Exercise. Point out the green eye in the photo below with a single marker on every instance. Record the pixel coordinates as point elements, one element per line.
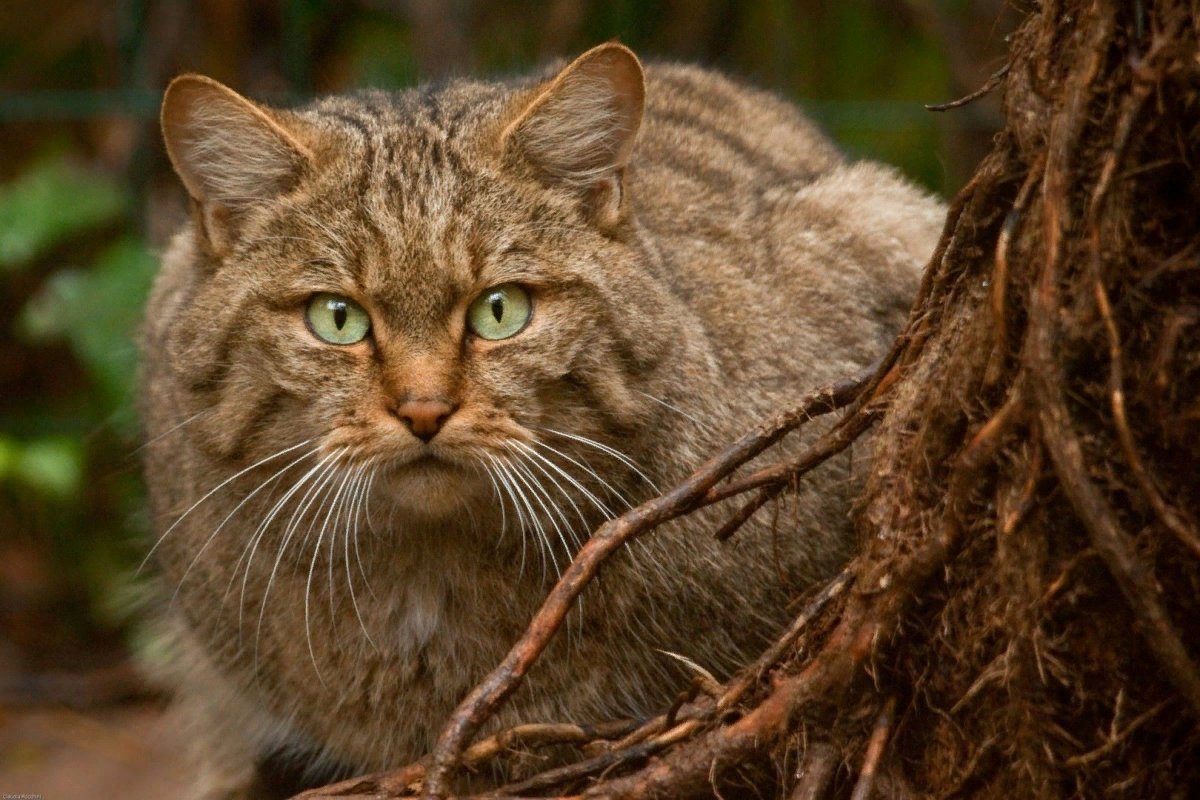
<point>337,320</point>
<point>500,312</point>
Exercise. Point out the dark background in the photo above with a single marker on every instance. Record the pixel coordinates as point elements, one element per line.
<point>87,197</point>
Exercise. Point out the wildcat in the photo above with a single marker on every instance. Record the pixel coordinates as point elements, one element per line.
<point>412,347</point>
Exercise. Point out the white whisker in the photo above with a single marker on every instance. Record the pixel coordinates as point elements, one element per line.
<point>617,454</point>
<point>365,504</point>
<point>570,552</point>
<point>505,482</point>
<point>312,568</point>
<point>499,498</point>
<point>583,520</point>
<point>252,545</point>
<point>600,505</point>
<point>169,431</point>
<point>531,521</point>
<point>703,425</point>
<point>523,474</point>
<point>213,491</point>
<point>229,516</point>
<point>309,496</point>
<point>590,471</point>
<point>352,525</point>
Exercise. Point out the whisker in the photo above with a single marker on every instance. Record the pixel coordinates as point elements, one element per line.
<point>360,480</point>
<point>309,497</point>
<point>599,504</point>
<point>252,545</point>
<point>365,504</point>
<point>343,506</point>
<point>213,491</point>
<point>590,471</point>
<point>312,568</point>
<point>533,521</point>
<point>617,454</point>
<point>168,432</point>
<point>703,425</point>
<point>629,546</point>
<point>499,498</point>
<point>568,550</point>
<point>502,477</point>
<point>229,516</point>
<point>538,492</point>
<point>582,519</point>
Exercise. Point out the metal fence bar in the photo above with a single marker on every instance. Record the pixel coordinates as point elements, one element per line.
<point>143,104</point>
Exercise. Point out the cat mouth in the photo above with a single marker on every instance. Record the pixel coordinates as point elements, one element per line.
<point>423,461</point>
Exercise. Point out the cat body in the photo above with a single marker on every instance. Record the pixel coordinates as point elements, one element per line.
<point>352,534</point>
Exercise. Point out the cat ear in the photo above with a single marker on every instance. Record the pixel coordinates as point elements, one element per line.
<point>578,131</point>
<point>229,152</point>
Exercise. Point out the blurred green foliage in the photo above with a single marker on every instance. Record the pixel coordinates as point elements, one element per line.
<point>86,194</point>
<point>61,225</point>
<point>49,202</point>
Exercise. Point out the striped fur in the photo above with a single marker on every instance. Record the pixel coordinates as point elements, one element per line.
<point>689,275</point>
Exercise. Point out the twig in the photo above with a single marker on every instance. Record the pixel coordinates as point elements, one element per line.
<point>778,476</point>
<point>1000,270</point>
<point>773,654</point>
<point>992,82</point>
<point>537,734</point>
<point>544,734</point>
<point>1116,739</point>
<point>1171,520</point>
<point>745,512</point>
<point>875,748</point>
<point>815,772</point>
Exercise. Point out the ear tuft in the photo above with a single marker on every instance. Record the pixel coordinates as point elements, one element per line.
<point>581,127</point>
<point>228,151</point>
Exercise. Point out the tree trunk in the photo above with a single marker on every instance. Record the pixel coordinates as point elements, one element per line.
<point>1024,617</point>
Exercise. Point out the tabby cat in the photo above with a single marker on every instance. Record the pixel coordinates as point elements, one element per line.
<point>413,347</point>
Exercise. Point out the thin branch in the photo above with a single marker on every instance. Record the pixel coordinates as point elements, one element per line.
<point>816,771</point>
<point>995,80</point>
<point>875,747</point>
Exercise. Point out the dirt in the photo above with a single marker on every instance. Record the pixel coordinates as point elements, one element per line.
<point>125,752</point>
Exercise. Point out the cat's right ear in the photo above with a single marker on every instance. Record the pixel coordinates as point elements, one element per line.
<point>229,152</point>
<point>578,130</point>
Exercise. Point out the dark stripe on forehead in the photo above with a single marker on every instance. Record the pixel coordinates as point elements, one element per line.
<point>431,105</point>
<point>366,164</point>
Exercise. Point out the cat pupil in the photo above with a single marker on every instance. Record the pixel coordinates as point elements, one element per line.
<point>497,307</point>
<point>339,317</point>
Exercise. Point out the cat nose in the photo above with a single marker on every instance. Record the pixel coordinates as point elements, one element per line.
<point>424,417</point>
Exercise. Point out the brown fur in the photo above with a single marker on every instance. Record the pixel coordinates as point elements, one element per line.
<point>693,267</point>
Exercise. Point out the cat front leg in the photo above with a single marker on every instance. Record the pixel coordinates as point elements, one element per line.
<point>227,733</point>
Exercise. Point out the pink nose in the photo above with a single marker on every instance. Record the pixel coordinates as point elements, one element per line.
<point>424,417</point>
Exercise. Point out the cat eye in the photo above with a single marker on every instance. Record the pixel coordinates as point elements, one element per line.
<point>500,312</point>
<point>337,320</point>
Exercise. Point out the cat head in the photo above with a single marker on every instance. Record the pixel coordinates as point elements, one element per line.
<point>436,283</point>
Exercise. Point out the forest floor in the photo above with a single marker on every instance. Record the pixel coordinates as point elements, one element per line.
<point>126,751</point>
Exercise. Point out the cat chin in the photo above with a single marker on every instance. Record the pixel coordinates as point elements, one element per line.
<point>431,488</point>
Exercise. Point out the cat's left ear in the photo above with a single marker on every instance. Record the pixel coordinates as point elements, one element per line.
<point>578,131</point>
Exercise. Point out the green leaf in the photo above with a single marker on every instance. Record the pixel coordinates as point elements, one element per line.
<point>97,311</point>
<point>52,200</point>
<point>52,465</point>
